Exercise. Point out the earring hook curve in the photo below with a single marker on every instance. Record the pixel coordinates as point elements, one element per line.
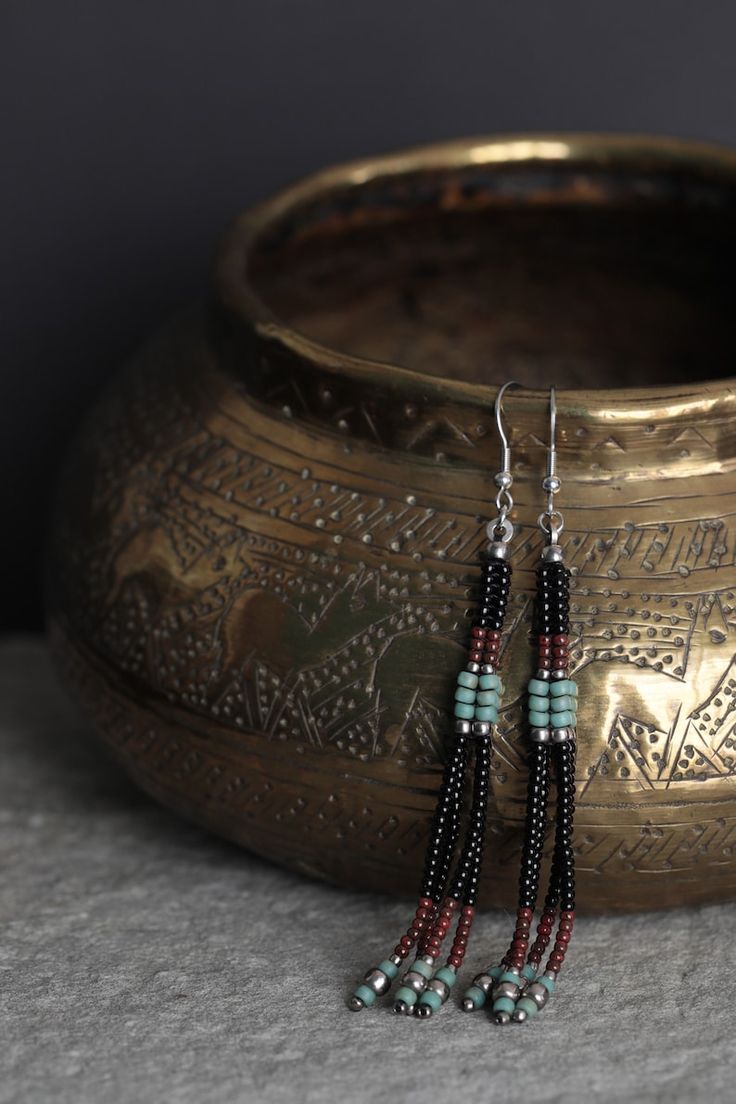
<point>501,530</point>
<point>551,521</point>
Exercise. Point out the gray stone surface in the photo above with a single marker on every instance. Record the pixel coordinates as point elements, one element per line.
<point>143,961</point>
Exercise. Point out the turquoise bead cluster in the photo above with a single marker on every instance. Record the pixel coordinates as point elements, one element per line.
<point>477,697</point>
<point>498,983</point>
<point>477,993</point>
<point>553,704</point>
<point>368,993</point>
<point>528,1004</point>
<point>409,994</point>
<point>438,989</point>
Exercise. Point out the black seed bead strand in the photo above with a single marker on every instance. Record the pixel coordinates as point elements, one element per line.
<point>536,818</point>
<point>483,770</point>
<point>493,595</point>
<point>467,876</point>
<point>531,855</point>
<point>565,767</point>
<point>443,831</point>
<point>566,817</point>
<point>465,882</point>
<point>453,828</point>
<point>552,608</point>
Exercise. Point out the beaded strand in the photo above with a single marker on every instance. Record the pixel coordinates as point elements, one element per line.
<point>553,720</point>
<point>477,702</point>
<point>443,832</point>
<point>517,988</point>
<point>464,888</point>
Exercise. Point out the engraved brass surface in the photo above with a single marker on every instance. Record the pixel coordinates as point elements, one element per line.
<point>266,538</point>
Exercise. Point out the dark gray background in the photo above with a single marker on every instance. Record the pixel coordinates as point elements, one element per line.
<point>132,132</point>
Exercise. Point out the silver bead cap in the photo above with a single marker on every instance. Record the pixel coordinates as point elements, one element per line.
<point>553,554</point>
<point>498,550</point>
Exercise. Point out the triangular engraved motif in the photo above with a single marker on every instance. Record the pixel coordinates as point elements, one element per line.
<point>529,439</point>
<point>632,756</point>
<point>690,433</point>
<point>610,443</point>
<point>694,756</point>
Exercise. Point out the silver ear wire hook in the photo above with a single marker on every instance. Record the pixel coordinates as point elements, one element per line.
<point>551,521</point>
<point>505,450</point>
<point>500,531</point>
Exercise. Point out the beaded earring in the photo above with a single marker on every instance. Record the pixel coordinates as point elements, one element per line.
<point>446,899</point>
<point>519,988</point>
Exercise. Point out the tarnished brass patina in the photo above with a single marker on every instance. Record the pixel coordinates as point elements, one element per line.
<point>266,536</point>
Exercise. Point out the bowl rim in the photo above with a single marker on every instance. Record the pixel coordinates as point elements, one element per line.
<point>239,297</point>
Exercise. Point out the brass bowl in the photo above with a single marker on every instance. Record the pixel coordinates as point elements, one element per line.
<point>265,536</point>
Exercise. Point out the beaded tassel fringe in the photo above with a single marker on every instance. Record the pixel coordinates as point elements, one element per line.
<point>447,899</point>
<point>519,987</point>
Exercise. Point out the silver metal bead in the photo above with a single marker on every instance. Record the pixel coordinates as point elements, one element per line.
<point>481,728</point>
<point>377,981</point>
<point>551,974</point>
<point>551,483</point>
<point>428,959</point>
<point>503,480</point>
<point>498,550</point>
<point>553,554</point>
<point>463,728</point>
<point>562,735</point>
<point>467,1005</point>
<point>519,1015</point>
<point>543,674</point>
<point>538,994</point>
<point>441,988</point>
<point>488,669</point>
<point>396,959</point>
<point>484,982</point>
<point>401,1008</point>
<point>424,1011</point>
<point>540,735</point>
<point>502,1017</point>
<point>474,668</point>
<point>415,981</point>
<point>557,674</point>
<point>507,989</point>
<point>355,1004</point>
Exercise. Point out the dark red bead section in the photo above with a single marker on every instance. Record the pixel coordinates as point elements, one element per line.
<point>440,928</point>
<point>557,957</point>
<point>560,651</point>
<point>484,646</point>
<point>544,934</point>
<point>553,652</point>
<point>420,926</point>
<point>462,935</point>
<point>516,954</point>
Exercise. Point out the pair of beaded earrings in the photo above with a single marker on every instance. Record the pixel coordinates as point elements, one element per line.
<point>519,986</point>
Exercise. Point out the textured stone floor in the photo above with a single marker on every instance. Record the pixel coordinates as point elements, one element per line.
<point>144,961</point>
